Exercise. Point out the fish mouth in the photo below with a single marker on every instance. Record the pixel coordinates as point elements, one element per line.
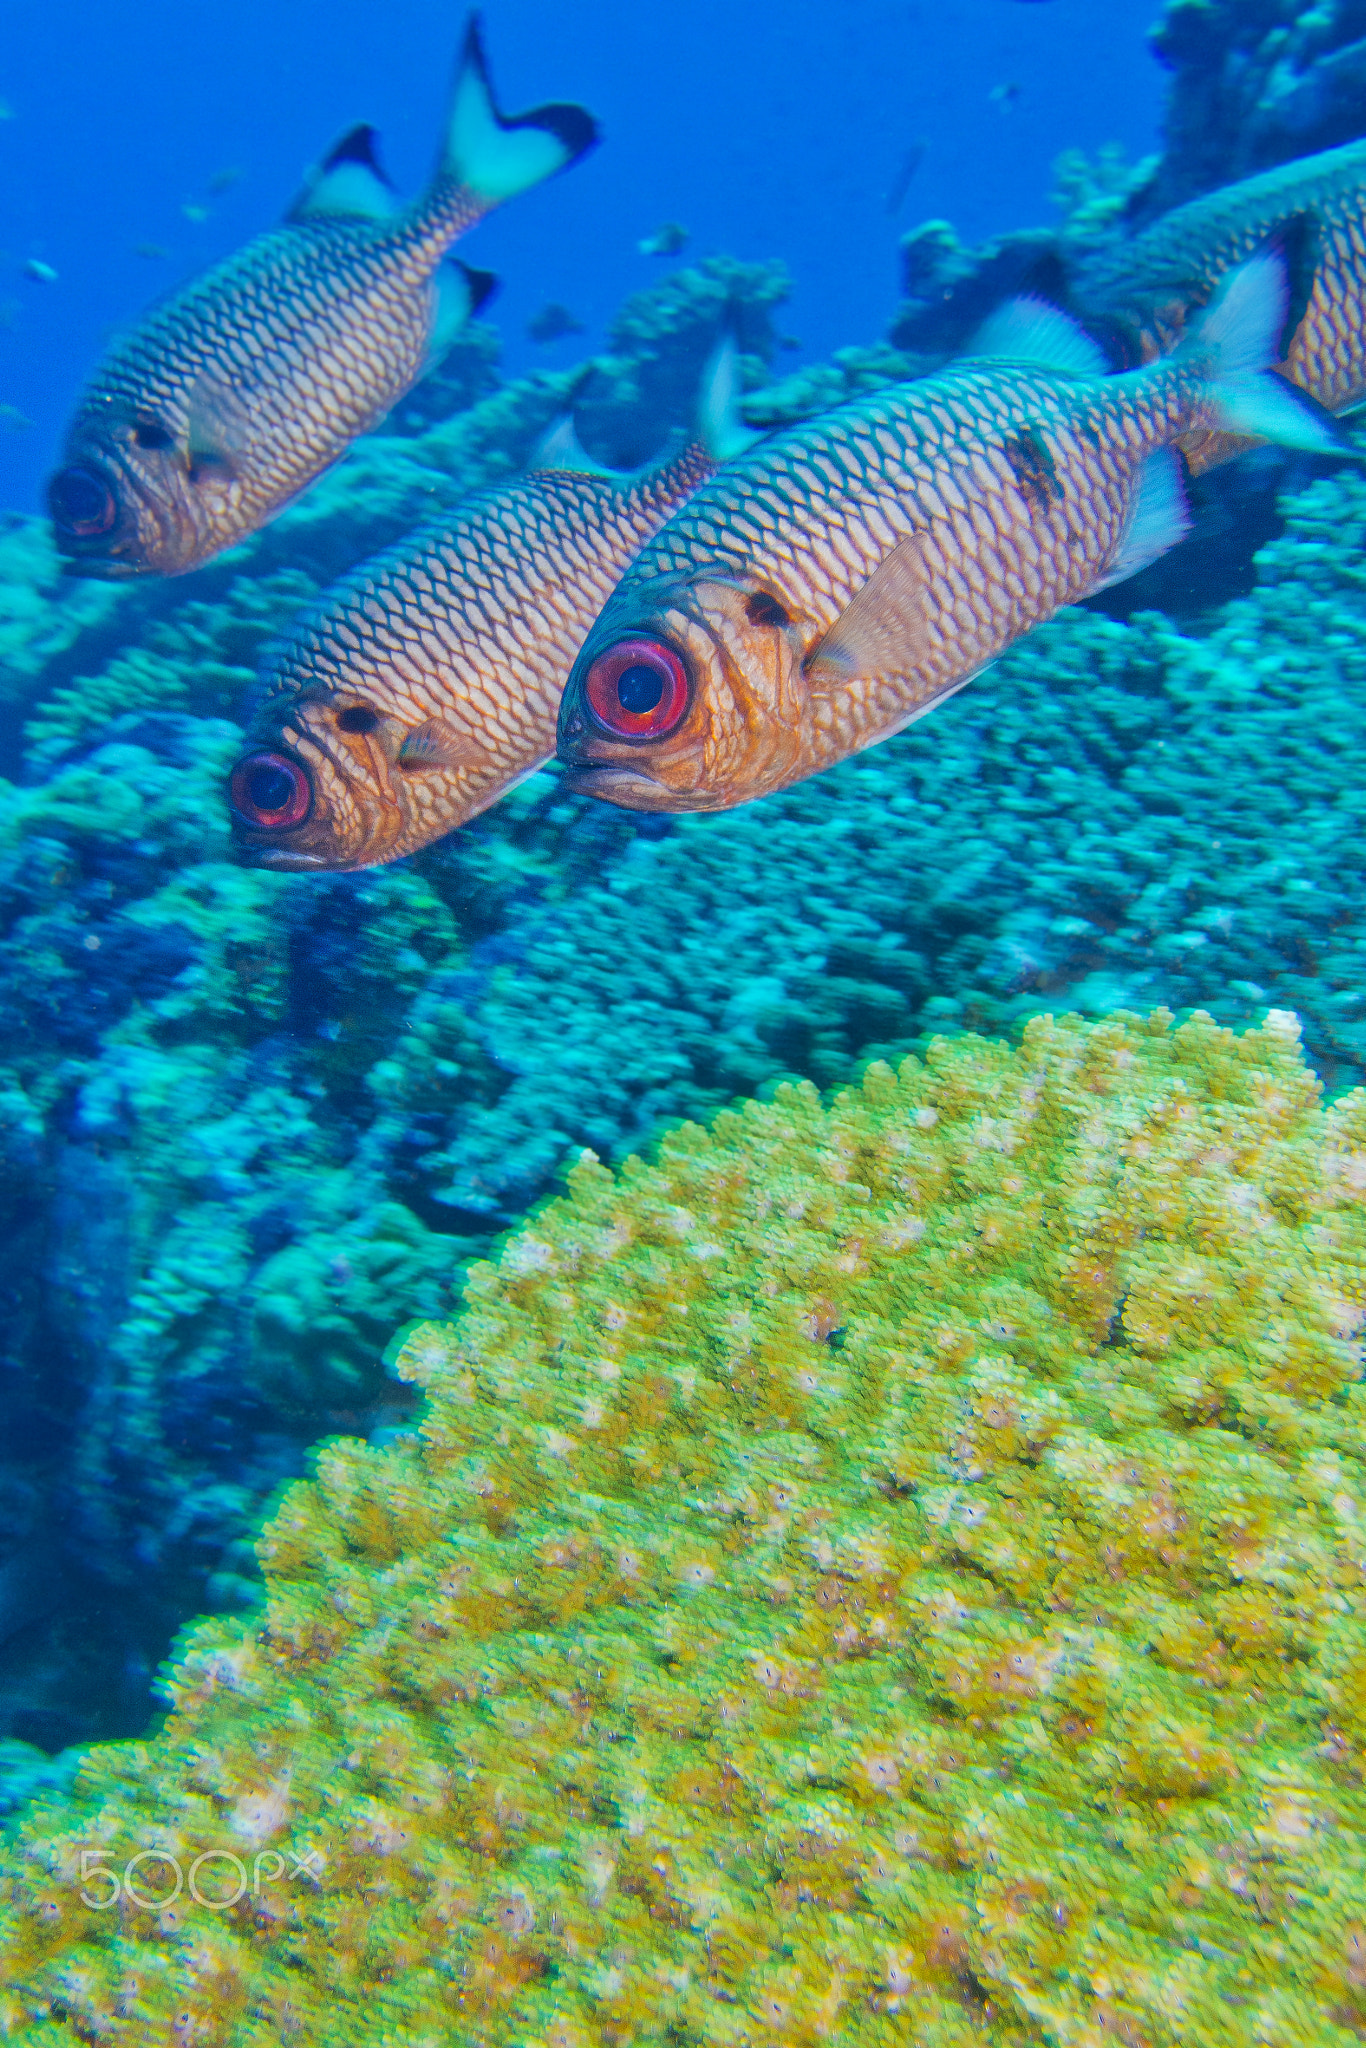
<point>615,784</point>
<point>103,568</point>
<point>283,859</point>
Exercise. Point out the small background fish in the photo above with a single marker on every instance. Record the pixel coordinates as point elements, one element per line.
<point>236,391</point>
<point>665,241</point>
<point>553,323</point>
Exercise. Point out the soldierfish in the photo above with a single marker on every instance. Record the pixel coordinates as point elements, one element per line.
<point>1316,208</point>
<point>837,582</point>
<point>233,393</point>
<point>425,685</point>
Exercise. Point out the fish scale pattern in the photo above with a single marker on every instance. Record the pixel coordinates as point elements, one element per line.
<point>1152,282</point>
<point>887,1573</point>
<point>465,632</point>
<point>359,297</point>
<point>999,494</point>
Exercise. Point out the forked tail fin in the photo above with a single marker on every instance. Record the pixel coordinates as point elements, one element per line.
<point>1237,341</point>
<point>492,155</point>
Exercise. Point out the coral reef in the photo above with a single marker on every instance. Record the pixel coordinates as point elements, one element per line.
<point>248,1123</point>
<point>264,1118</point>
<point>204,1271</point>
<point>885,1573</point>
<point>1253,85</point>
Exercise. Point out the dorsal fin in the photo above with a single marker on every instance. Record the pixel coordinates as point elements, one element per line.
<point>349,183</point>
<point>721,427</point>
<point>559,448</point>
<point>1032,331</point>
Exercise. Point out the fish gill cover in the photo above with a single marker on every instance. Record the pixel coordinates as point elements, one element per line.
<point>252,1123</point>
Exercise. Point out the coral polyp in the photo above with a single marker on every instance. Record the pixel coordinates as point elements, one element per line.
<point>887,1572</point>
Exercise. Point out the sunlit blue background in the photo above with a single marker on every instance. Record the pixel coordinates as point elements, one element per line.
<point>769,128</point>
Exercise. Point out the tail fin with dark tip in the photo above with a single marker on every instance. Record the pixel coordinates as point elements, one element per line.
<point>495,155</point>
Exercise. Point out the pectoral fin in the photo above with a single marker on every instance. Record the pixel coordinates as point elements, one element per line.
<point>433,745</point>
<point>219,428</point>
<point>882,631</point>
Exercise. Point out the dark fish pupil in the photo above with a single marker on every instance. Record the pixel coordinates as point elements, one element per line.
<point>639,688</point>
<point>269,788</point>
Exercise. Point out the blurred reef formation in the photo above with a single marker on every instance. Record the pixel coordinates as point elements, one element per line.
<point>252,1123</point>
<point>879,1574</point>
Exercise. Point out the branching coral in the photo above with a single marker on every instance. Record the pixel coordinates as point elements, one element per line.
<point>891,1573</point>
<point>1254,85</point>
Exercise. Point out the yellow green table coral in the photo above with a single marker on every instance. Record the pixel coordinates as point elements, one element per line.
<point>890,1573</point>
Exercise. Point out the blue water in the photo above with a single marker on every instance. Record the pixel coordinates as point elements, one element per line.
<point>766,128</point>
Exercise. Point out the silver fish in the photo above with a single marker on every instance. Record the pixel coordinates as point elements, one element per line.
<point>233,393</point>
<point>838,582</point>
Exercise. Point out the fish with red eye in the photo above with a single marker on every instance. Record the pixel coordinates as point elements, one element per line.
<point>270,791</point>
<point>637,689</point>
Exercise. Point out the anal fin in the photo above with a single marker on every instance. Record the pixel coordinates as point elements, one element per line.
<point>1159,517</point>
<point>1300,241</point>
<point>460,293</point>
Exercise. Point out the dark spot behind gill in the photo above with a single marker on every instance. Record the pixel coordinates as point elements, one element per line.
<point>1032,466</point>
<point>764,610</point>
<point>357,718</point>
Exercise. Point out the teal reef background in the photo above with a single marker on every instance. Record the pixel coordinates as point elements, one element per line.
<point>251,1123</point>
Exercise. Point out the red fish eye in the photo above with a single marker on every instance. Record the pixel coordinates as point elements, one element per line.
<point>81,502</point>
<point>269,790</point>
<point>638,689</point>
